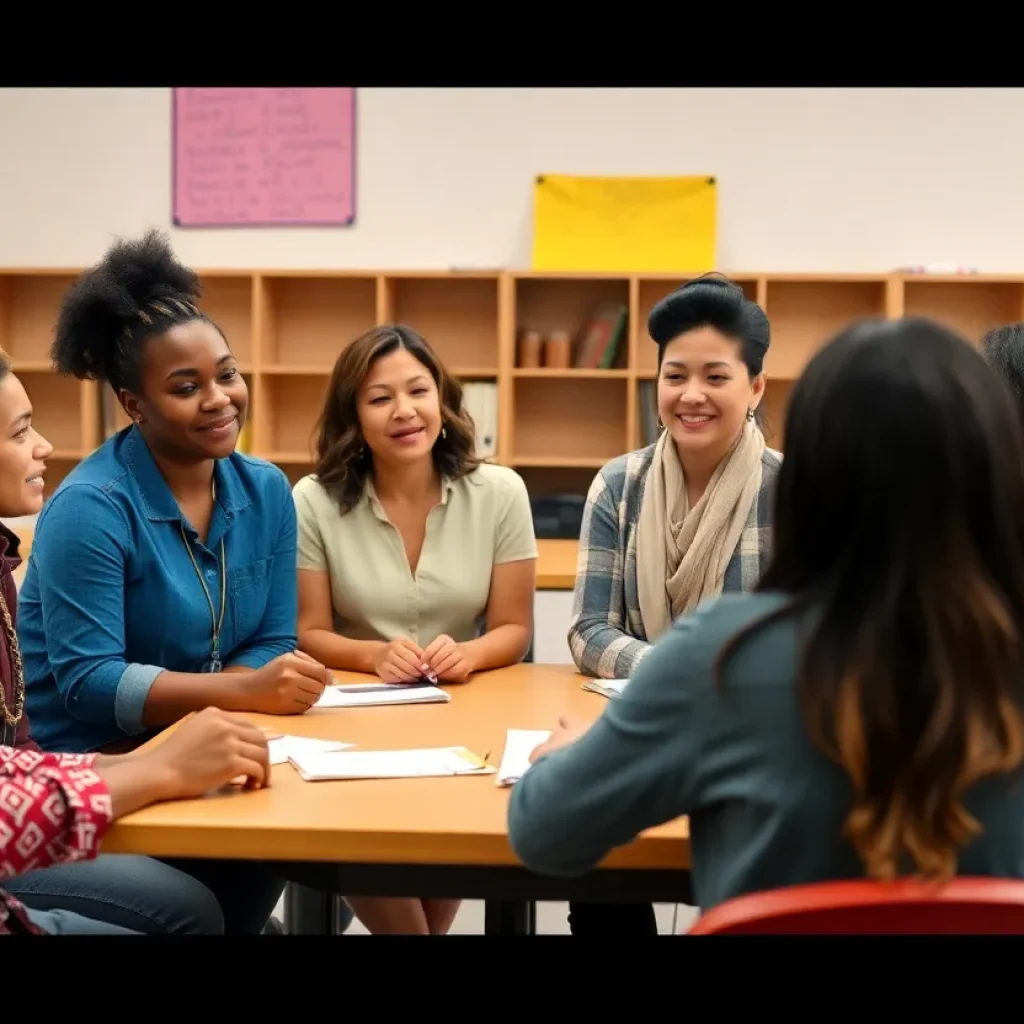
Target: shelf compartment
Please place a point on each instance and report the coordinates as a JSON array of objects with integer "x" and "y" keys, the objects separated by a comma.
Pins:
[
  {"x": 290, "y": 412},
  {"x": 650, "y": 292},
  {"x": 972, "y": 308},
  {"x": 295, "y": 469},
  {"x": 543, "y": 373},
  {"x": 805, "y": 315},
  {"x": 773, "y": 411},
  {"x": 310, "y": 321},
  {"x": 457, "y": 316},
  {"x": 29, "y": 305},
  {"x": 227, "y": 301},
  {"x": 550, "y": 480},
  {"x": 56, "y": 409},
  {"x": 565, "y": 304},
  {"x": 56, "y": 470},
  {"x": 580, "y": 423}
]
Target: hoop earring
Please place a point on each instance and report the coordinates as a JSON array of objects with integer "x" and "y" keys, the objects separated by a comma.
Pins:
[{"x": 750, "y": 414}]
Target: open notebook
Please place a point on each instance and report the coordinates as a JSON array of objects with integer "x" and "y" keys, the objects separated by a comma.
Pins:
[
  {"x": 519, "y": 744},
  {"x": 363, "y": 695},
  {"x": 326, "y": 765},
  {"x": 606, "y": 687}
]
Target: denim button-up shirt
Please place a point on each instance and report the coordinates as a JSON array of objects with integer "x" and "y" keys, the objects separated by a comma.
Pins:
[{"x": 111, "y": 597}]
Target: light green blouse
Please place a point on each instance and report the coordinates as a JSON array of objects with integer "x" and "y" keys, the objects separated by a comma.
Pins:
[{"x": 483, "y": 520}]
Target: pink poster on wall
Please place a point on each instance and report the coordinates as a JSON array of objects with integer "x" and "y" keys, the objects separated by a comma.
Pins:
[{"x": 263, "y": 157}]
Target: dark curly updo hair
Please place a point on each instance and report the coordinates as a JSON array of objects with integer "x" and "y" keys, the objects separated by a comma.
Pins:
[
  {"x": 139, "y": 290},
  {"x": 712, "y": 301},
  {"x": 1003, "y": 348}
]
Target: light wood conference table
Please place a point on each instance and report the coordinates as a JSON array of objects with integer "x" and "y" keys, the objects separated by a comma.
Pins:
[{"x": 415, "y": 837}]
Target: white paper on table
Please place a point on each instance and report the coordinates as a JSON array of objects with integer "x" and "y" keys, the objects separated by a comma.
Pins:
[
  {"x": 353, "y": 695},
  {"x": 515, "y": 761},
  {"x": 318, "y": 766},
  {"x": 611, "y": 688},
  {"x": 283, "y": 747}
]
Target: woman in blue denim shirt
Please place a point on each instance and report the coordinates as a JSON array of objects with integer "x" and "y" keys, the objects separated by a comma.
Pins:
[{"x": 162, "y": 575}]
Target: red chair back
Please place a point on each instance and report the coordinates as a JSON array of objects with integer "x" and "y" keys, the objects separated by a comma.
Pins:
[{"x": 963, "y": 906}]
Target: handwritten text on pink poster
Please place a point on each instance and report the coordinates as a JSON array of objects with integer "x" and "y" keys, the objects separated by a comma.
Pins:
[{"x": 264, "y": 157}]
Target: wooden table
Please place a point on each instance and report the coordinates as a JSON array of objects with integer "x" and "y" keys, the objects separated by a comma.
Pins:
[{"x": 424, "y": 837}]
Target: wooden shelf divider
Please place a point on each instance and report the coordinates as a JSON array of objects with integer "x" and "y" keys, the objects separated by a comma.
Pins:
[{"x": 557, "y": 426}]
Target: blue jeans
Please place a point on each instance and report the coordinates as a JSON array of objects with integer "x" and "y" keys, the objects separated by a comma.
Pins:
[
  {"x": 63, "y": 922},
  {"x": 157, "y": 897}
]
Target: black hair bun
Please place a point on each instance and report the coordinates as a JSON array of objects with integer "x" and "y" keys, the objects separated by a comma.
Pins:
[
  {"x": 113, "y": 295},
  {"x": 713, "y": 301}
]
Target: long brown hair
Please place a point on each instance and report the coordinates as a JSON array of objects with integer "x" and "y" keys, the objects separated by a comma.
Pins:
[
  {"x": 899, "y": 539},
  {"x": 343, "y": 461}
]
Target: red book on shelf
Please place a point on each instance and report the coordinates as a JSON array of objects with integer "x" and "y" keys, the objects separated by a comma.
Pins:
[{"x": 599, "y": 340}]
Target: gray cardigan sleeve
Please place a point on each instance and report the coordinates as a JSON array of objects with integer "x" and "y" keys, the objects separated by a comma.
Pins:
[{"x": 634, "y": 769}]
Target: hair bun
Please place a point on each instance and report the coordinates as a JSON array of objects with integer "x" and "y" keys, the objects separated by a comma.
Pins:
[
  {"x": 113, "y": 295},
  {"x": 146, "y": 271},
  {"x": 714, "y": 301}
]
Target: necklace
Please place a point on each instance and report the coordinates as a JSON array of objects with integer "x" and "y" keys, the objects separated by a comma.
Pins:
[
  {"x": 12, "y": 719},
  {"x": 214, "y": 664}
]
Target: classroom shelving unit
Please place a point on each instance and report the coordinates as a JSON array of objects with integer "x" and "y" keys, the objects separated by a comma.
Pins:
[{"x": 556, "y": 426}]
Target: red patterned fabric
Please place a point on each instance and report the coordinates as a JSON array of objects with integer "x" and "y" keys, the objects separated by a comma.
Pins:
[
  {"x": 10, "y": 559},
  {"x": 54, "y": 808}
]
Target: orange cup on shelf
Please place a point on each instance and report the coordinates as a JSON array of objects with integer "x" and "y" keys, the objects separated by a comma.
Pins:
[
  {"x": 528, "y": 356},
  {"x": 558, "y": 351}
]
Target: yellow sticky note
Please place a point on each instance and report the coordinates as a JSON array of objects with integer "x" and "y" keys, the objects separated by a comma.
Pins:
[{"x": 625, "y": 224}]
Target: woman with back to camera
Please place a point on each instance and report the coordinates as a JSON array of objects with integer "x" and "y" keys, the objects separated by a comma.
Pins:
[
  {"x": 57, "y": 807},
  {"x": 682, "y": 519},
  {"x": 407, "y": 542},
  {"x": 162, "y": 575},
  {"x": 860, "y": 714}
]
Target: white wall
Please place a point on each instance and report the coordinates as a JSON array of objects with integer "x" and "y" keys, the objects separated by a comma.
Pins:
[{"x": 810, "y": 179}]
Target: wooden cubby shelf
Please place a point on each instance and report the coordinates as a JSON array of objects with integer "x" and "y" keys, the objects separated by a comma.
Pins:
[{"x": 556, "y": 426}]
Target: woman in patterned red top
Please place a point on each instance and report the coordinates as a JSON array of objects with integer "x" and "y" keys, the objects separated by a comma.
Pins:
[{"x": 56, "y": 808}]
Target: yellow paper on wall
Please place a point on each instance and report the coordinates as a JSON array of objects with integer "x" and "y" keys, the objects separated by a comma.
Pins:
[{"x": 600, "y": 223}]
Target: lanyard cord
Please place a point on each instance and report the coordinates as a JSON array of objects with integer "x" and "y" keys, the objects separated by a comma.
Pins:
[{"x": 215, "y": 622}]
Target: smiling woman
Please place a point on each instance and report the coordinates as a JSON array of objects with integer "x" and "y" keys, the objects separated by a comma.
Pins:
[
  {"x": 162, "y": 573},
  {"x": 684, "y": 519},
  {"x": 689, "y": 516},
  {"x": 415, "y": 558},
  {"x": 23, "y": 450}
]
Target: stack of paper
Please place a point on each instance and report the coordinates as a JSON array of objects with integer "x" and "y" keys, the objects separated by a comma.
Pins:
[
  {"x": 319, "y": 766},
  {"x": 364, "y": 695},
  {"x": 606, "y": 687},
  {"x": 519, "y": 744},
  {"x": 282, "y": 747}
]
